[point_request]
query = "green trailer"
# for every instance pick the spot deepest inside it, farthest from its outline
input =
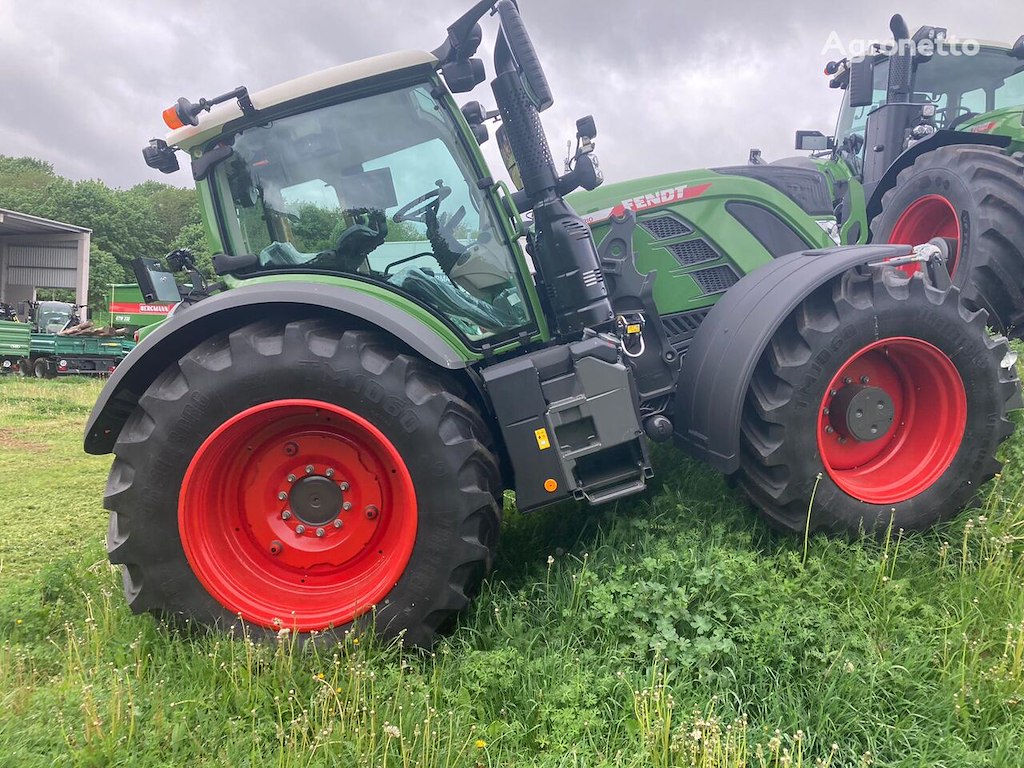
(51, 353)
(14, 345)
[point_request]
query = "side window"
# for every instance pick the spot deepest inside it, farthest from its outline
(399, 205)
(974, 101)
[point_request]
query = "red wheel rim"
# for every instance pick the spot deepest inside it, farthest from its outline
(325, 562)
(926, 218)
(929, 413)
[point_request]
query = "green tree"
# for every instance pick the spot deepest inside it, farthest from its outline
(193, 237)
(104, 269)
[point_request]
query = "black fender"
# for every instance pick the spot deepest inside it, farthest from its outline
(720, 362)
(905, 160)
(189, 325)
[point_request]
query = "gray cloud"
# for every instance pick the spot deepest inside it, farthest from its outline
(673, 85)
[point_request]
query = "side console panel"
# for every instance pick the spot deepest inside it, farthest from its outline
(570, 422)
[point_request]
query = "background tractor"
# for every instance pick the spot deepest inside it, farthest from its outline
(930, 144)
(321, 440)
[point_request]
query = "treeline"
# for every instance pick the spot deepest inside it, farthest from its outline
(149, 219)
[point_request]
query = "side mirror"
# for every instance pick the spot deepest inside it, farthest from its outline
(861, 90)
(814, 141)
(464, 75)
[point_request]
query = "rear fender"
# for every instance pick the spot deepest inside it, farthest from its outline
(905, 160)
(720, 362)
(190, 325)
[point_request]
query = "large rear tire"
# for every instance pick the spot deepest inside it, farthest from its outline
(304, 477)
(881, 397)
(974, 196)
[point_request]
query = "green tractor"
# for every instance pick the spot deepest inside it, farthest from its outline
(930, 144)
(321, 440)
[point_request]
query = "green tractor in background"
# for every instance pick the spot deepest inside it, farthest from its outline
(930, 144)
(321, 440)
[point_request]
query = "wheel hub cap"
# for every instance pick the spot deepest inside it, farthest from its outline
(316, 500)
(861, 412)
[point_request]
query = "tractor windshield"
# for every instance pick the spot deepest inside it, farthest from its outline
(53, 316)
(961, 87)
(382, 188)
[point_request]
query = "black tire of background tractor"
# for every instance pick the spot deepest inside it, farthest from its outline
(780, 455)
(440, 437)
(985, 187)
(40, 369)
(24, 366)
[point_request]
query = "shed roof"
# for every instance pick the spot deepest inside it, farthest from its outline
(14, 223)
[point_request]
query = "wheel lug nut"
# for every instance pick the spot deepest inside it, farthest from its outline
(833, 392)
(300, 529)
(825, 411)
(371, 512)
(320, 532)
(286, 515)
(344, 485)
(309, 469)
(842, 441)
(282, 495)
(847, 380)
(347, 506)
(830, 429)
(276, 547)
(329, 472)
(291, 478)
(337, 523)
(864, 380)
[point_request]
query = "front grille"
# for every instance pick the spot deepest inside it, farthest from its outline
(575, 229)
(715, 279)
(681, 327)
(693, 252)
(666, 226)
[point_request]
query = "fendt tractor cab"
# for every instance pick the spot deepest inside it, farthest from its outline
(928, 145)
(322, 439)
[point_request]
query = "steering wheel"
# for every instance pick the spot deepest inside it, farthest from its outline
(952, 116)
(415, 210)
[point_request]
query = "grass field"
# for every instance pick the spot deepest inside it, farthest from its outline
(672, 630)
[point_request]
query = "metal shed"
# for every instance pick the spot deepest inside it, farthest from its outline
(39, 253)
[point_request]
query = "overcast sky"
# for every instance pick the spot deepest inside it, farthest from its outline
(672, 84)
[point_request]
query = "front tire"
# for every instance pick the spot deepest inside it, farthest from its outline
(974, 197)
(882, 397)
(308, 478)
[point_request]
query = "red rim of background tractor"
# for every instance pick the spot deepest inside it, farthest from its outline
(322, 564)
(926, 218)
(929, 406)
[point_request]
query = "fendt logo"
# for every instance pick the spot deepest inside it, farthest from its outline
(651, 200)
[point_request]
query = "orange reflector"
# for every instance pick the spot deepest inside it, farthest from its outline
(171, 118)
(550, 485)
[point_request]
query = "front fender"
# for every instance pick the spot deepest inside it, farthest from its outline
(719, 364)
(190, 325)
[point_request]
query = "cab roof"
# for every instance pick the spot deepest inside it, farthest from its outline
(212, 123)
